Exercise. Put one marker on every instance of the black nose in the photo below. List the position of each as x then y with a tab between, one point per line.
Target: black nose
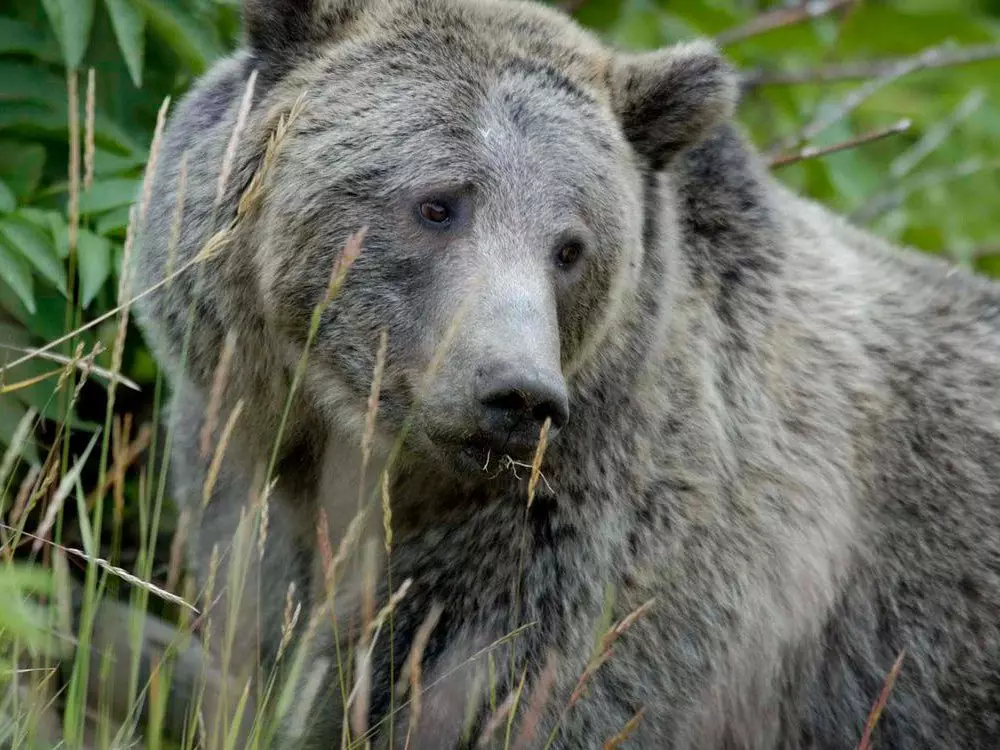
515	404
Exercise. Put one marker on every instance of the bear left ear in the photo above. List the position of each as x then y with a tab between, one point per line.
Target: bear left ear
670	99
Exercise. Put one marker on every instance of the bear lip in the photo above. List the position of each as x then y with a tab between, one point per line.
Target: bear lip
481	454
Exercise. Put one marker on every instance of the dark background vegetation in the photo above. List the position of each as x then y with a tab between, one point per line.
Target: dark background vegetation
914	85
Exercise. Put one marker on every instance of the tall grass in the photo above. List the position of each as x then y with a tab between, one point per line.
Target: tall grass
103	700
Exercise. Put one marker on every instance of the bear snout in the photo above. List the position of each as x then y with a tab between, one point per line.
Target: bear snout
513	403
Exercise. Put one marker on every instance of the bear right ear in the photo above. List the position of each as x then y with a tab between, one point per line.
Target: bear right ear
281	26
670	99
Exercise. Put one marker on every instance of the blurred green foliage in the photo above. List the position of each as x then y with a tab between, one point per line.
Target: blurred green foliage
933	187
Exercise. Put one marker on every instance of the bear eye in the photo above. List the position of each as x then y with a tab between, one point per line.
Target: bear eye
569	253
436	213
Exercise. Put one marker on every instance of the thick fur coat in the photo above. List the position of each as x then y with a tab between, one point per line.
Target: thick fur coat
781	430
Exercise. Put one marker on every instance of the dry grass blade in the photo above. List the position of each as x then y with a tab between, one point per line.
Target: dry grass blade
505	713
360	698
414	660
386	513
540	696
73	94
17	440
62	492
625	732
76	362
373	398
219	380
24	493
88	125
249	199
241	120
536	463
114	570
220	450
603	653
352	249
177	548
881	702
293	610
154	154
127	457
251	196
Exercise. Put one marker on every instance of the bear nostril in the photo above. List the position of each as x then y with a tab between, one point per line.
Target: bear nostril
549	410
507	401
525	404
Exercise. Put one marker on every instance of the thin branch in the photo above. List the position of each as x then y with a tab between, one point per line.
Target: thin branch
832	113
780	18
890	200
814	152
903	164
928	60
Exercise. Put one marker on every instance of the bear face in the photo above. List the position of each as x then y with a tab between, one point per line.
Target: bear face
496	156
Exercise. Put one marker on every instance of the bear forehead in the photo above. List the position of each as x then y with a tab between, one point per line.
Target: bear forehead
461	38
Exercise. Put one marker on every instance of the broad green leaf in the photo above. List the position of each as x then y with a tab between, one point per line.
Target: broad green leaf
8	201
107	164
14	269
21	166
129	21
19	38
71	20
22	81
105	195
179	28
114	222
36	247
38	120
94	262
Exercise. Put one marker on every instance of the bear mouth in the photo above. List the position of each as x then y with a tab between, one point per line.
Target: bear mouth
488	457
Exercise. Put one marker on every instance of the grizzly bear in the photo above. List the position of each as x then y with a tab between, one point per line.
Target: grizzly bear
656	449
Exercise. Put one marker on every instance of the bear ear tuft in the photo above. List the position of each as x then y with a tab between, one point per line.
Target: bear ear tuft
671	99
282	26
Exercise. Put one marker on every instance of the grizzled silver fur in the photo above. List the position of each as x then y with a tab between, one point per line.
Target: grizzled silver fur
782	429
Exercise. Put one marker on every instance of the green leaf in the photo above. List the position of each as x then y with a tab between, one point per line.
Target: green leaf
21	166
108	194
129	22
13	341
179	28
12	410
94	260
114	222
25	82
8	201
71	20
14	269
20	38
36	247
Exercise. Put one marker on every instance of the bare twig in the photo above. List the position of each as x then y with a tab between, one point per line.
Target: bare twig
814	152
936	135
928	60
835	112
781	17
890	200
